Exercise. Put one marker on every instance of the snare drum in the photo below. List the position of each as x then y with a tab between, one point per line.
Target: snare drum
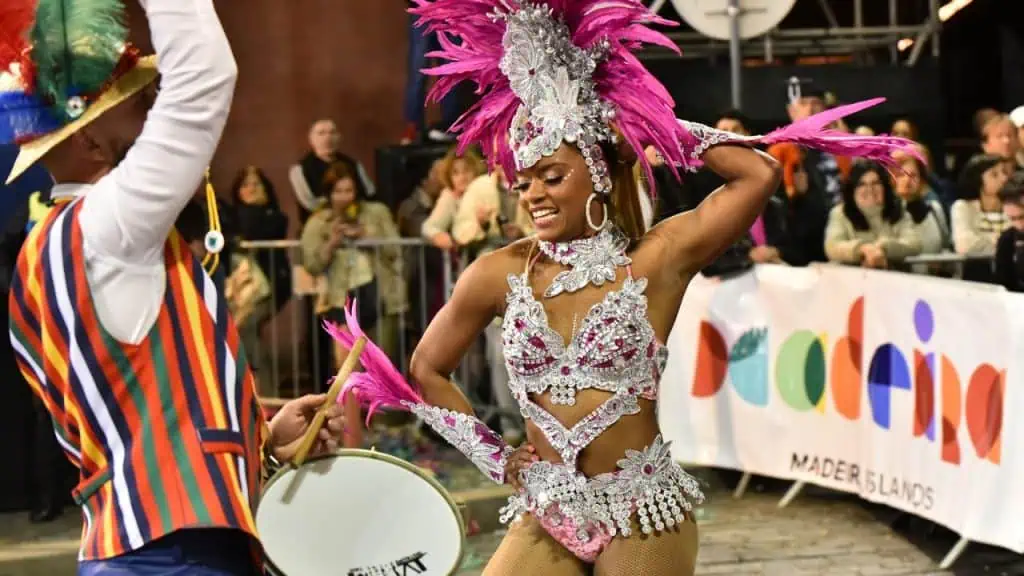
359	513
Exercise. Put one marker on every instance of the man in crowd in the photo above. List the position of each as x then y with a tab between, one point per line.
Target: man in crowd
307	177
999	137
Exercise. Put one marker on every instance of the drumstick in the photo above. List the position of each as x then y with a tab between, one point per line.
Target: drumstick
332	397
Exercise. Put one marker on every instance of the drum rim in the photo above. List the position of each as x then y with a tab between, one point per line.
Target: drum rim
374	455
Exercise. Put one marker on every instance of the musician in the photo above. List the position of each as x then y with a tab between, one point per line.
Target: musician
117	327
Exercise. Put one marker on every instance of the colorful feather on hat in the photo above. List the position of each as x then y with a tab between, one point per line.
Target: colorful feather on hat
57	54
76	46
16	17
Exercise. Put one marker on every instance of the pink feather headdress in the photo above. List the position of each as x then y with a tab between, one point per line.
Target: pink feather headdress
550	71
553	71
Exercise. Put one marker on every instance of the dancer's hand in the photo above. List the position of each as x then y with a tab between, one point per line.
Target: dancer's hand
291	422
517	461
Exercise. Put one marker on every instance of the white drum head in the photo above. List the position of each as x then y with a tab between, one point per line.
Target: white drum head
358	513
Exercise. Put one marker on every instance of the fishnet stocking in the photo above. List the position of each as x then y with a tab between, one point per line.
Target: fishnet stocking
671	552
527	549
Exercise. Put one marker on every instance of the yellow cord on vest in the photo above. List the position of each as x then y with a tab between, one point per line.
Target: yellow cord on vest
214	241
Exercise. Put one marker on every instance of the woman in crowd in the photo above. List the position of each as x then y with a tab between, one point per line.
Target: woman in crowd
589	300
925	211
259	283
978	215
977	218
1009	260
457	172
869	227
371	275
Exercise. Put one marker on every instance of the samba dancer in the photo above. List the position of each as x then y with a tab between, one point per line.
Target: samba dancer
117	326
589	301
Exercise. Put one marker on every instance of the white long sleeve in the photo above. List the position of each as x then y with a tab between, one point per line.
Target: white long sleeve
127	215
129	212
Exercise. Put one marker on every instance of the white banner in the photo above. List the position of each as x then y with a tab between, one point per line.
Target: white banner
891	386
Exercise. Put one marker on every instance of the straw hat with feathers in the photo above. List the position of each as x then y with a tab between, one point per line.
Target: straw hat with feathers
63	64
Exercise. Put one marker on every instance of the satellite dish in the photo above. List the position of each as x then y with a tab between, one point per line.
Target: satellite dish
711	18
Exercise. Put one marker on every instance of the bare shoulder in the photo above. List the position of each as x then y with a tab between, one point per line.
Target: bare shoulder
487	276
506	260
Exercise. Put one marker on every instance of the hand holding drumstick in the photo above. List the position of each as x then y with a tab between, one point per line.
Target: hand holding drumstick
311	425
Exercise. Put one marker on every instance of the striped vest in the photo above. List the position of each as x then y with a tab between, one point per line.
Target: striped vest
166	433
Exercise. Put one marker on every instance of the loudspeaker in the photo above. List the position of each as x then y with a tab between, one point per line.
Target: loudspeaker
401	168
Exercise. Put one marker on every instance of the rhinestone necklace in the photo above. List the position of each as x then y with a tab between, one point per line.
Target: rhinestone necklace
591	260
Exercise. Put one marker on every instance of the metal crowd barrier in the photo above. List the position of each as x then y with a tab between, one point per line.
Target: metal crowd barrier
944	261
292	355
288	352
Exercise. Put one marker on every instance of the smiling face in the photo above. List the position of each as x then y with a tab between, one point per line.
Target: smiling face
554	192
869	195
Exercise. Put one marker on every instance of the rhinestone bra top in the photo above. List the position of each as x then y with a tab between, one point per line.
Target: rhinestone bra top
614	350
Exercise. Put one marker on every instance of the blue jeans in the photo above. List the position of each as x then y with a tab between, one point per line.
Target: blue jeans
199	552
420	43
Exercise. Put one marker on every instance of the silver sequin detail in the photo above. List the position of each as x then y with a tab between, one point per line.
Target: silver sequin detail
481	445
570	442
707	137
648	483
552	77
615	349
591	260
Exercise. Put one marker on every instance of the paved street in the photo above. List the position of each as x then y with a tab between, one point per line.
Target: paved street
820	534
814	535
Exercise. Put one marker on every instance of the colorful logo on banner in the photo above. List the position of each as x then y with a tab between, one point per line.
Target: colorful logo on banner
802	374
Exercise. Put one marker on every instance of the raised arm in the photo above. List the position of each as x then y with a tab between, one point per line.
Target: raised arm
128	214
689	241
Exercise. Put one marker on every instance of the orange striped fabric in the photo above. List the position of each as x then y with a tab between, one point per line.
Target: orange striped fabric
166	433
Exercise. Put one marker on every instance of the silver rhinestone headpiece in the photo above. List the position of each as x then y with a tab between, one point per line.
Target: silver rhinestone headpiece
553	78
